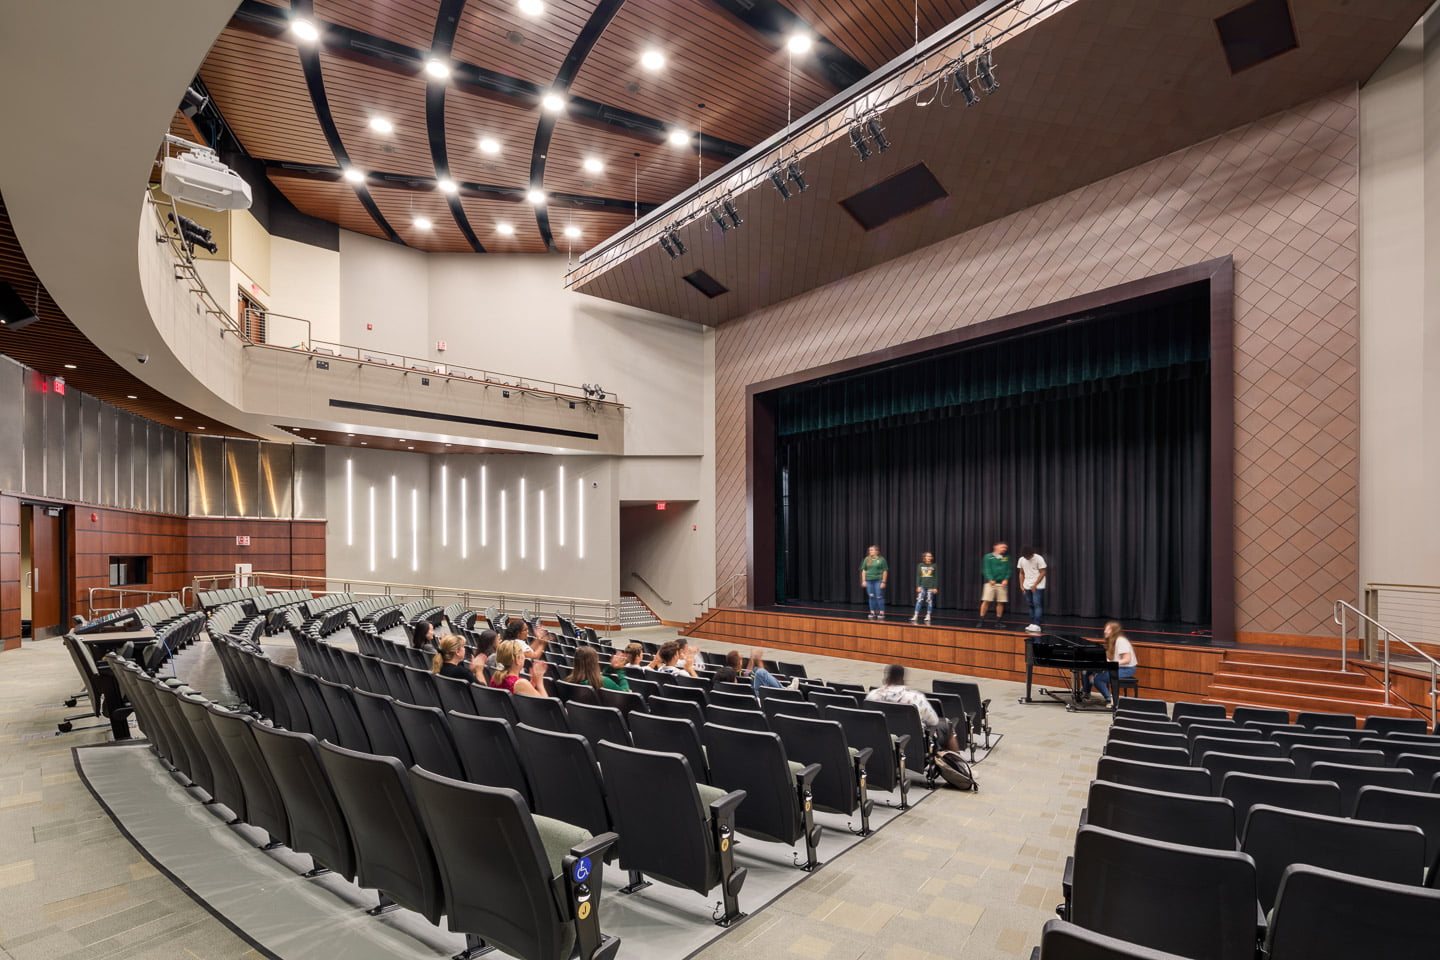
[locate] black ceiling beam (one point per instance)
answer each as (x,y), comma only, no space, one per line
(483,191)
(777,22)
(315,82)
(585,41)
(446,21)
(346,41)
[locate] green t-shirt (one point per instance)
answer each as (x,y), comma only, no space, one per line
(926,577)
(996,568)
(874,568)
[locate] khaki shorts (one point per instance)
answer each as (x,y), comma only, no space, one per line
(995,593)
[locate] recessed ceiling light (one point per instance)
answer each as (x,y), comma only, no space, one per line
(553,102)
(364,444)
(423,223)
(438,69)
(70,366)
(652,60)
(354,176)
(349,434)
(381,125)
(799,43)
(178,417)
(536,197)
(488,145)
(305,30)
(312,438)
(409,448)
(447,186)
(505,229)
(531,8)
(200,427)
(447,444)
(131,396)
(593,165)
(679,138)
(572,231)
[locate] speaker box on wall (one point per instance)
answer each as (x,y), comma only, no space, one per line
(14,312)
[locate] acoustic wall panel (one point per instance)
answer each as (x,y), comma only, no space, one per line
(276,494)
(12,423)
(309,474)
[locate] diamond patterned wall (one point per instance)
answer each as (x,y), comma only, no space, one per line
(1280,195)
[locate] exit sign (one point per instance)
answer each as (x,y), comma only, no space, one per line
(242,541)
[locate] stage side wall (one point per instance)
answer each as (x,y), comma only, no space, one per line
(1280,195)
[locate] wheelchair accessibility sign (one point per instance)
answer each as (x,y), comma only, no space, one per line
(582,869)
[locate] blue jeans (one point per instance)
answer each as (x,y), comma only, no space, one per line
(926,599)
(875,593)
(1037,603)
(1101,679)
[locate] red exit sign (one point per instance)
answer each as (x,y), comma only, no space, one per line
(242,541)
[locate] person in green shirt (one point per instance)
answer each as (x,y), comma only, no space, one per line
(927,584)
(996,571)
(874,574)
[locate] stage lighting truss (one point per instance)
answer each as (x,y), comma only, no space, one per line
(867,136)
(777,178)
(796,176)
(671,243)
(857,140)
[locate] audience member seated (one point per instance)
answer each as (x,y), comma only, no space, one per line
(689,658)
(422,635)
(511,654)
(893,690)
(485,644)
(450,660)
(666,660)
(586,670)
(756,672)
(1117,650)
(730,673)
(634,654)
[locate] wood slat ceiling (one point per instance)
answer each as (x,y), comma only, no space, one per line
(1096,89)
(486,215)
(358,92)
(329,200)
(488,33)
(875,32)
(410,22)
(51,342)
(468,118)
(402,207)
(665,170)
(336,438)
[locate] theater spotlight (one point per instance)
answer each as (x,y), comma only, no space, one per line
(796,176)
(193,234)
(718,215)
(985,72)
(731,212)
(679,244)
(667,246)
(857,140)
(593,390)
(960,77)
(778,179)
(877,133)
(193,103)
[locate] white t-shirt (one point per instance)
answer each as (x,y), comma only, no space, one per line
(1122,646)
(1030,572)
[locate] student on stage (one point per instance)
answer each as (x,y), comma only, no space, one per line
(874,575)
(1032,570)
(927,584)
(995,568)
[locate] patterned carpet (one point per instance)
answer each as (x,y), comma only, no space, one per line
(972,875)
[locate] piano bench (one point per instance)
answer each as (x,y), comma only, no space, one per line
(1127,687)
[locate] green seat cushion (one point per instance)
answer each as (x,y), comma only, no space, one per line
(557,837)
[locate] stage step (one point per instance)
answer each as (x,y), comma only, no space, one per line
(1231,699)
(1298,682)
(1299,688)
(1268,658)
(1332,676)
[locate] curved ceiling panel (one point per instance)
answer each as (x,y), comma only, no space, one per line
(469,118)
(411,22)
(663,170)
(498,37)
(878,31)
(358,93)
(404,209)
(259,87)
(331,200)
(711,58)
(486,216)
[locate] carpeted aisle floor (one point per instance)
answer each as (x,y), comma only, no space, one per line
(972,875)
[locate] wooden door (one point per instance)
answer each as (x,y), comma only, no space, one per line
(47,538)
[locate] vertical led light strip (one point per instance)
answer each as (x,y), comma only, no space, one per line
(484,511)
(444,505)
(372,528)
(522,518)
(504,560)
(542,528)
(580,518)
(560,495)
(349,502)
(394,518)
(464,521)
(414,529)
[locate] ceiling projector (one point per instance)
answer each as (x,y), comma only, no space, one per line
(199,178)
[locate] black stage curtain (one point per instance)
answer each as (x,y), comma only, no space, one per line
(1108,478)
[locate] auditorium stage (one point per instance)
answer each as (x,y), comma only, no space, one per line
(1173,668)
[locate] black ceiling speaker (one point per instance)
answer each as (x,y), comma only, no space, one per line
(15,314)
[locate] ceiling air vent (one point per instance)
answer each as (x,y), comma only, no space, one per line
(1256,32)
(706,284)
(906,192)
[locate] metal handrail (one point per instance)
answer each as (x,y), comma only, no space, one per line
(608,610)
(187,271)
(658,594)
(729,580)
(121,592)
(1340,614)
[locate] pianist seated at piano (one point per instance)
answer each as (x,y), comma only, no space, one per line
(1117,650)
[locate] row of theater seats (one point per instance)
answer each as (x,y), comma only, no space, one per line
(1208,837)
(210,599)
(470,854)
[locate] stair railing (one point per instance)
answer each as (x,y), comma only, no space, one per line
(1344,611)
(658,595)
(727,582)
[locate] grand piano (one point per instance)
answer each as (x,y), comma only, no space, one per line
(1066,651)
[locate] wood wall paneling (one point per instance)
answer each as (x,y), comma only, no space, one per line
(9,572)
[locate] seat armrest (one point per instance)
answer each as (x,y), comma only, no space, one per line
(1262,923)
(723,809)
(596,847)
(807,775)
(1084,816)
(863,755)
(1067,881)
(902,741)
